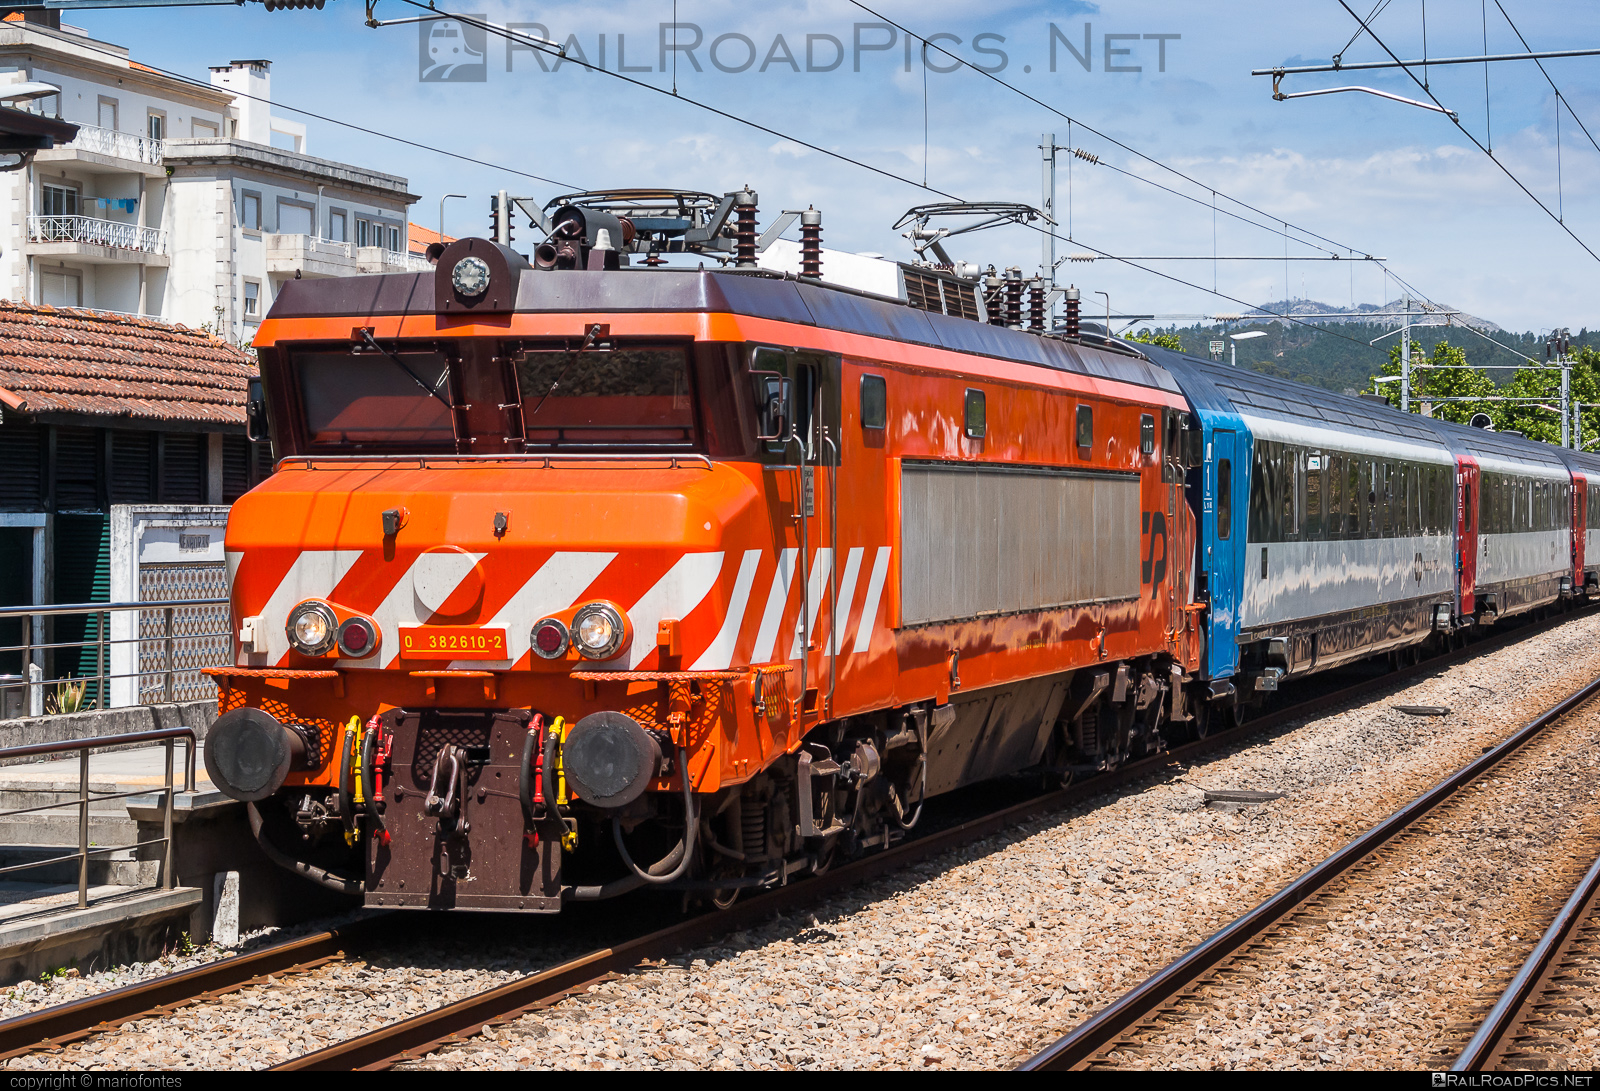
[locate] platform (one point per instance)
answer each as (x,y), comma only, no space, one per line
(129,917)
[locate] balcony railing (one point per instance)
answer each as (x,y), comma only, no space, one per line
(97,232)
(140,149)
(393,261)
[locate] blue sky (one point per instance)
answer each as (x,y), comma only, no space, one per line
(1376,176)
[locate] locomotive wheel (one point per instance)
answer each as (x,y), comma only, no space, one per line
(1201,724)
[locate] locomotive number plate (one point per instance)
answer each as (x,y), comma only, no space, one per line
(452,642)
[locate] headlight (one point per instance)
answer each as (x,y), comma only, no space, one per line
(311,628)
(550,639)
(597,631)
(470,277)
(357,637)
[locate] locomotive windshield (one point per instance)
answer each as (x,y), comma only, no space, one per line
(378,398)
(623,396)
(489,397)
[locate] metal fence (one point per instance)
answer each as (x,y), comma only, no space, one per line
(97,232)
(170,641)
(166,736)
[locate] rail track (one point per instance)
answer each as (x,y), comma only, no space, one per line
(1214,975)
(414,1037)
(1542,1012)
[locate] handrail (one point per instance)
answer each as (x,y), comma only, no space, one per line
(165,735)
(101,607)
(105,651)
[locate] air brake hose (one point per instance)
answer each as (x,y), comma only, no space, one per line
(679,858)
(525,771)
(552,739)
(347,758)
(340,883)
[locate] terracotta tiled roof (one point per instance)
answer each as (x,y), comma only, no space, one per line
(66,360)
(419,237)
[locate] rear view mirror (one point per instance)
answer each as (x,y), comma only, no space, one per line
(255,414)
(772,403)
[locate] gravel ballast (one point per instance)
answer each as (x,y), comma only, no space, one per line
(974,959)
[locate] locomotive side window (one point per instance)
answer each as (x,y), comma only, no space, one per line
(627,397)
(375,398)
(1085,429)
(1147,434)
(976,415)
(874,402)
(810,398)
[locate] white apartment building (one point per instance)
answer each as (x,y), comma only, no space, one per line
(176,201)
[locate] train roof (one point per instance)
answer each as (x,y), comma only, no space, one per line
(1300,404)
(778,298)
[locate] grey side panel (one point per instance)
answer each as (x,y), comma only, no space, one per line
(980,539)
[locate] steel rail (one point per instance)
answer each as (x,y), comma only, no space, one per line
(418,1035)
(63,1023)
(1075,1050)
(1494,1035)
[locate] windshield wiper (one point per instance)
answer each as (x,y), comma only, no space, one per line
(401,364)
(593,334)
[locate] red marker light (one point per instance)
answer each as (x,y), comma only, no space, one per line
(355,638)
(549,638)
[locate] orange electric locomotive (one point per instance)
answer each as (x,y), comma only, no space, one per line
(574,577)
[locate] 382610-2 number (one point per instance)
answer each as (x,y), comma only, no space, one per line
(452,642)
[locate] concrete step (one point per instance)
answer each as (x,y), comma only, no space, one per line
(119,868)
(61,828)
(41,927)
(15,797)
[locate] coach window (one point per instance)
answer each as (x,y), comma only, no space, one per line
(1224,499)
(1314,496)
(1333,474)
(1288,492)
(874,402)
(1262,485)
(976,420)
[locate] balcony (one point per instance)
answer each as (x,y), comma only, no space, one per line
(96,241)
(109,148)
(313,257)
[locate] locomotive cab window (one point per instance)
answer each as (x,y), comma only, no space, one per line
(874,402)
(976,415)
(1147,434)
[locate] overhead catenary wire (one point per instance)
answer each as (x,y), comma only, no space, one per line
(1266,216)
(1476,142)
(542,46)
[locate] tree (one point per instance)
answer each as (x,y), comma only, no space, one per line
(1167,340)
(1442,375)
